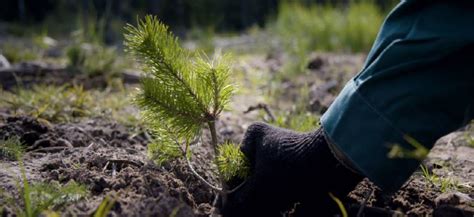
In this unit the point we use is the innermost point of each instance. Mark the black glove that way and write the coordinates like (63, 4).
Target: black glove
(288, 168)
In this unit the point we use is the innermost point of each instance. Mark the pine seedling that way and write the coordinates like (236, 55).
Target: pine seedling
(181, 92)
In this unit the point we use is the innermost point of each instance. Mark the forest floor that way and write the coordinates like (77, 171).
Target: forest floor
(108, 154)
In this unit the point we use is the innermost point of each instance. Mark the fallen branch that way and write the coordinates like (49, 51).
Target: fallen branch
(264, 107)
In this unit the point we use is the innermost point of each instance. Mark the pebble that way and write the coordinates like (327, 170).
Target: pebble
(453, 198)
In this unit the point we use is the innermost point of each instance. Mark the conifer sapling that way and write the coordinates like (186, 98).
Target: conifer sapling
(181, 93)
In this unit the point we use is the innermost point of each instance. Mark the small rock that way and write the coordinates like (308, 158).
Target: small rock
(315, 63)
(453, 211)
(4, 64)
(48, 41)
(452, 198)
(131, 77)
(226, 131)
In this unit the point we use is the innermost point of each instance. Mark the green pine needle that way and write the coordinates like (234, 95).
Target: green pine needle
(231, 162)
(164, 147)
(180, 91)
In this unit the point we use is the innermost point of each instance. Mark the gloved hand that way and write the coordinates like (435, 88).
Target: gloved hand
(287, 168)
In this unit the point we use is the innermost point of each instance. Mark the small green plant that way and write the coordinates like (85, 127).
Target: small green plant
(42, 198)
(297, 117)
(340, 205)
(231, 162)
(49, 102)
(444, 184)
(419, 152)
(16, 53)
(93, 59)
(67, 103)
(11, 148)
(470, 140)
(303, 122)
(181, 92)
(105, 206)
(428, 175)
(469, 134)
(447, 184)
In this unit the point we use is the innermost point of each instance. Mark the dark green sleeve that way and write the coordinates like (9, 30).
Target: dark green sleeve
(418, 80)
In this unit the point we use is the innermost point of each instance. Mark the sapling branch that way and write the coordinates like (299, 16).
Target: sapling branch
(202, 179)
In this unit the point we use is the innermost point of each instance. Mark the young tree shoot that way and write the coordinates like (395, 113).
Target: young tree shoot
(181, 93)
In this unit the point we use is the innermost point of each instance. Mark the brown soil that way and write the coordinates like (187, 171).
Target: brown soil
(110, 161)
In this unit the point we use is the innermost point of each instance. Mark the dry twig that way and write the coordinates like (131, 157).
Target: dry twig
(264, 107)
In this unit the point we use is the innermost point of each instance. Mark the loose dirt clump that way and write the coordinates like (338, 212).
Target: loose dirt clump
(109, 161)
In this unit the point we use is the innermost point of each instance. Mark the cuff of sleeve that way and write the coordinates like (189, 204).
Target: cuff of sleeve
(365, 137)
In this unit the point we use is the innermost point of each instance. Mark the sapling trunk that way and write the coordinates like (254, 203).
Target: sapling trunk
(213, 130)
(214, 143)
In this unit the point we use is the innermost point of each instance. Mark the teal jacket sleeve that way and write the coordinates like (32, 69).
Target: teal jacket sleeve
(418, 81)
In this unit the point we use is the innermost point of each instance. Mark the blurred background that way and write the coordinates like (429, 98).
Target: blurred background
(54, 28)
(108, 16)
(293, 55)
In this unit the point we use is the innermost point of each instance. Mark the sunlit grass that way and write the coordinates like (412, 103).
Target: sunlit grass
(11, 148)
(42, 198)
(444, 184)
(15, 53)
(93, 59)
(67, 103)
(48, 102)
(303, 29)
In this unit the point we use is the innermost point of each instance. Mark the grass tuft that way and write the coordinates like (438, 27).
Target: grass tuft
(42, 198)
(67, 103)
(301, 121)
(93, 59)
(105, 206)
(11, 148)
(49, 102)
(16, 53)
(418, 152)
(340, 205)
(444, 184)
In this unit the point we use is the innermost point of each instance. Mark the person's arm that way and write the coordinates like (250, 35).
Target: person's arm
(418, 81)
